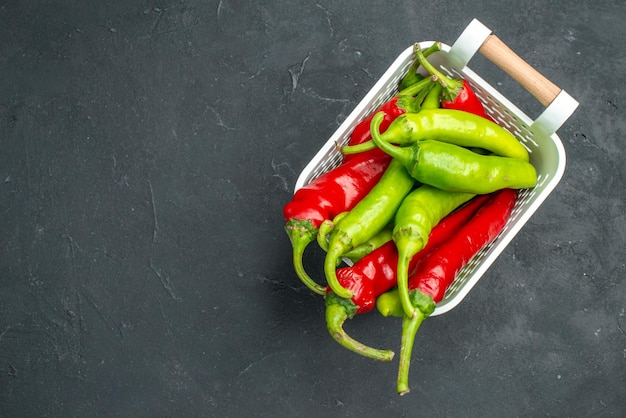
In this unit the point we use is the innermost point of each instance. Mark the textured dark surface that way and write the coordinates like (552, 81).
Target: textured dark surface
(147, 149)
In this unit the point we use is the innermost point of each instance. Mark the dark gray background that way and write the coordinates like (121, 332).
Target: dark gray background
(147, 149)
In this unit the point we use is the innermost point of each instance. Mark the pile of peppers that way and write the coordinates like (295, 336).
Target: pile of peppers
(427, 180)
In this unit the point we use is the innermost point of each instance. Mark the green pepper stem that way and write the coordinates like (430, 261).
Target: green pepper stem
(409, 242)
(416, 88)
(403, 284)
(323, 232)
(411, 75)
(358, 148)
(338, 310)
(413, 104)
(334, 253)
(407, 102)
(451, 85)
(301, 235)
(402, 154)
(409, 330)
(435, 47)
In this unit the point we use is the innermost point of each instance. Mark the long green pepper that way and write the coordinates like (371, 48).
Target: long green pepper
(372, 214)
(419, 212)
(455, 168)
(451, 126)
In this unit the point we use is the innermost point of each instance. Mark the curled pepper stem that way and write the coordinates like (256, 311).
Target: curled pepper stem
(298, 252)
(398, 153)
(326, 228)
(405, 100)
(301, 235)
(334, 253)
(323, 232)
(338, 310)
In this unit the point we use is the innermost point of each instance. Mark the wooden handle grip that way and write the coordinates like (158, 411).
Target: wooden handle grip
(501, 55)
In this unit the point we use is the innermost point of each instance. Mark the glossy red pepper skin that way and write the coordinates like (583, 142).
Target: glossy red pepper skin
(336, 191)
(370, 277)
(330, 194)
(465, 99)
(436, 272)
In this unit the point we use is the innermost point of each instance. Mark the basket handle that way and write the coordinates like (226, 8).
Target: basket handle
(478, 38)
(532, 80)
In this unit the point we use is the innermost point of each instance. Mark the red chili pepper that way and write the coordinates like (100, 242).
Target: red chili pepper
(457, 92)
(375, 274)
(330, 194)
(437, 270)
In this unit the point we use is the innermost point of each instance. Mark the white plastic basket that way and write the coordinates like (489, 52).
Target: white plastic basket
(538, 136)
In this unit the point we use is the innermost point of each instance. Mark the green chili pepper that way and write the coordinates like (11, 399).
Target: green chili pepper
(456, 169)
(433, 98)
(388, 304)
(366, 219)
(452, 126)
(419, 212)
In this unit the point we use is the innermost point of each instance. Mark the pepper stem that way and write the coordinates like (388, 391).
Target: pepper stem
(323, 232)
(416, 88)
(335, 252)
(409, 330)
(413, 104)
(403, 285)
(425, 305)
(402, 154)
(301, 234)
(451, 86)
(412, 76)
(358, 148)
(326, 228)
(338, 310)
